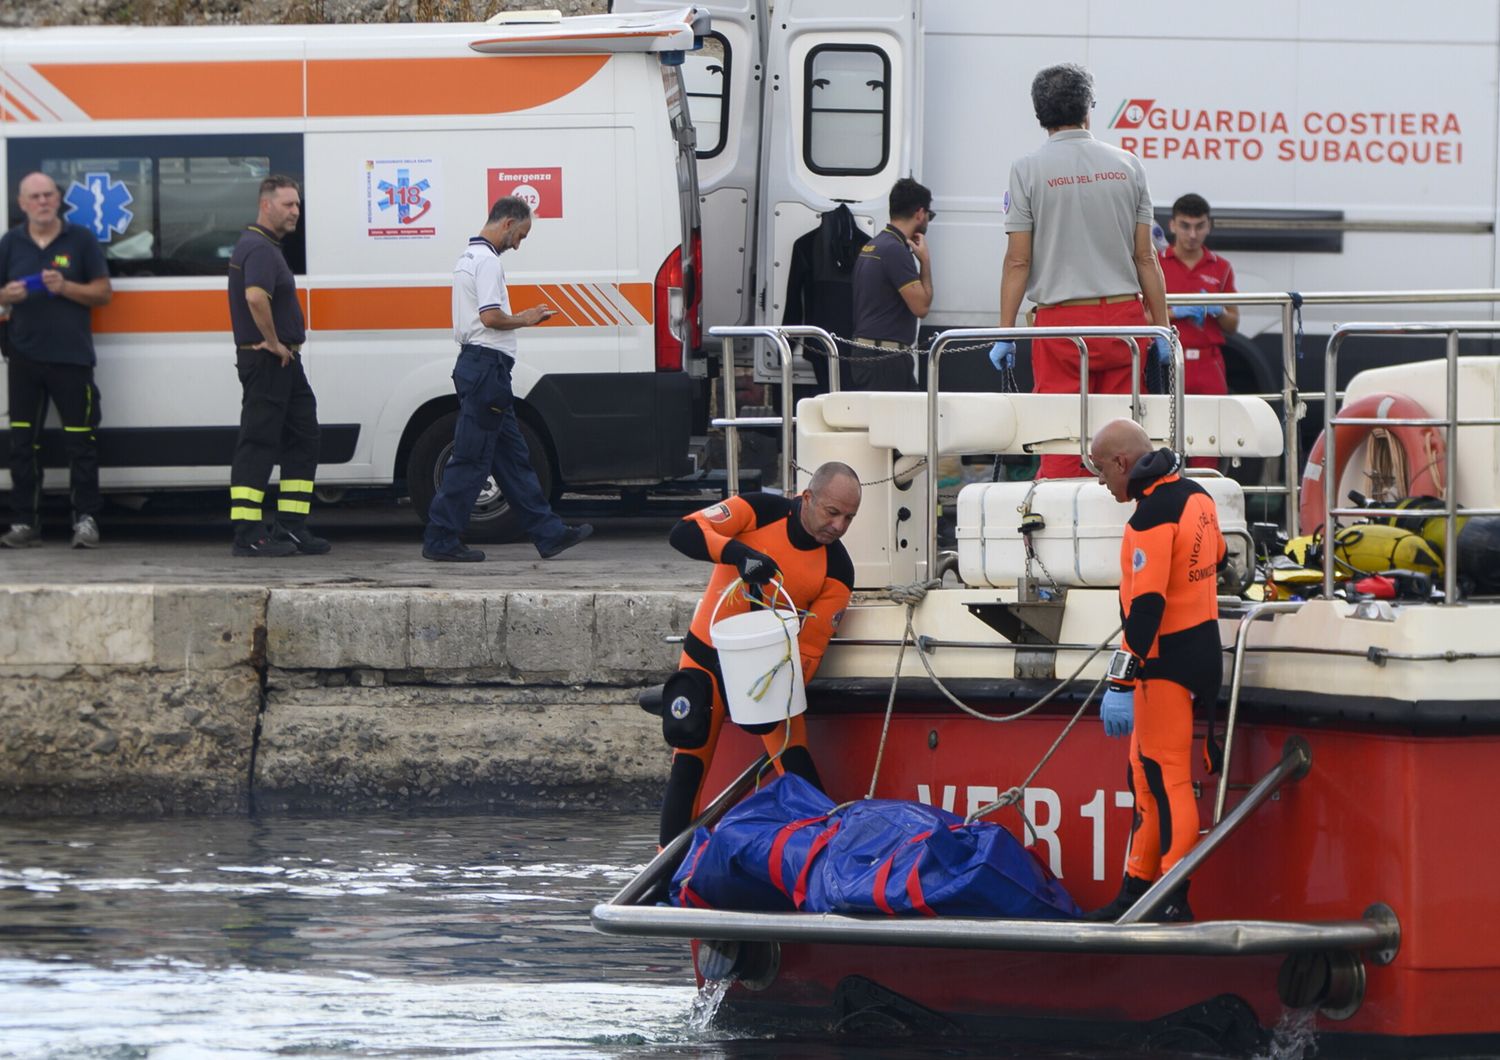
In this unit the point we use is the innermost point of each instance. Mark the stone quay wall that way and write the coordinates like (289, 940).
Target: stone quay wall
(166, 700)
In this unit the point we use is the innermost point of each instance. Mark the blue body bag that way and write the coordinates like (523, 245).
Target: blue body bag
(896, 858)
(780, 850)
(759, 853)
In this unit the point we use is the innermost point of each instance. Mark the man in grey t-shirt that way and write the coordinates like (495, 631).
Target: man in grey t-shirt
(1078, 245)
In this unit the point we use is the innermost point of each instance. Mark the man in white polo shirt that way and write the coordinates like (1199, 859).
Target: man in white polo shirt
(487, 440)
(1078, 245)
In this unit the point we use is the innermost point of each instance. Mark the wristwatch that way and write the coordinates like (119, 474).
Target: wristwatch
(1124, 667)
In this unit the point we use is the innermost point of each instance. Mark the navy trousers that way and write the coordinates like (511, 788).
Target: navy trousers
(487, 441)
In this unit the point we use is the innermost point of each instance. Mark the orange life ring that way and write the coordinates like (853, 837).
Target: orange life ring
(1425, 449)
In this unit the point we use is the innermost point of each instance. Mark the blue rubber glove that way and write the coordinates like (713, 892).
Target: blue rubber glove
(1117, 711)
(1161, 349)
(1214, 310)
(1195, 313)
(1003, 355)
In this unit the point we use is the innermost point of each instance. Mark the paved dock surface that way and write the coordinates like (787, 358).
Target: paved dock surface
(375, 546)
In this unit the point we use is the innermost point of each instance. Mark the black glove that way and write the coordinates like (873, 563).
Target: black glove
(756, 568)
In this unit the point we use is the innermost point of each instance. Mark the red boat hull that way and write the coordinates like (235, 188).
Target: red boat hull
(1382, 817)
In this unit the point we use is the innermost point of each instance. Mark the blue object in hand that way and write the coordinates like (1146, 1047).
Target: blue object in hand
(1003, 355)
(34, 284)
(1161, 349)
(1117, 711)
(1213, 310)
(1195, 313)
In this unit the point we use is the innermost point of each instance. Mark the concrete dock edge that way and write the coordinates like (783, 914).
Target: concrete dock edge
(198, 700)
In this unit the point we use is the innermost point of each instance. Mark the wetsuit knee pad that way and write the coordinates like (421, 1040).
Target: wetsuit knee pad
(687, 708)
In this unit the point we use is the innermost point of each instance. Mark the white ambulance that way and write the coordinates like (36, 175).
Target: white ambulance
(1345, 145)
(402, 136)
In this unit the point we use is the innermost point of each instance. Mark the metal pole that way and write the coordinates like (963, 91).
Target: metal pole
(671, 854)
(731, 432)
(1289, 418)
(788, 483)
(1237, 672)
(934, 357)
(1330, 461)
(1296, 760)
(1450, 485)
(1084, 433)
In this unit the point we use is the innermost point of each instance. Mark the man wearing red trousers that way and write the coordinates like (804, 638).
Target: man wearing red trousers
(1078, 245)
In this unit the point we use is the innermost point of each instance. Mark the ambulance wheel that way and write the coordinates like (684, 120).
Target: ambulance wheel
(492, 519)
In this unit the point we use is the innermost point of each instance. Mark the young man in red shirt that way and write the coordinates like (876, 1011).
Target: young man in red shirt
(1189, 267)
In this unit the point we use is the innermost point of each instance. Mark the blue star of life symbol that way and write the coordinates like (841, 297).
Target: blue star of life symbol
(403, 195)
(101, 204)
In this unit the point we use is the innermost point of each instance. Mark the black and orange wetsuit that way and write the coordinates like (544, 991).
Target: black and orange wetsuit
(1169, 564)
(818, 578)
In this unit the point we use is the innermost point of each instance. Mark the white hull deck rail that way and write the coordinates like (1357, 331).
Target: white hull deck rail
(1377, 935)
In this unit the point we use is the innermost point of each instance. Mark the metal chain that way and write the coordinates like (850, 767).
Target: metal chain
(1169, 373)
(1031, 552)
(921, 463)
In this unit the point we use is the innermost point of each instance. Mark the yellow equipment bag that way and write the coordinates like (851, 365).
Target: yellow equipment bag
(1371, 548)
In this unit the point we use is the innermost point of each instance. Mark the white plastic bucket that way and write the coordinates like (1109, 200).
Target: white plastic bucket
(761, 661)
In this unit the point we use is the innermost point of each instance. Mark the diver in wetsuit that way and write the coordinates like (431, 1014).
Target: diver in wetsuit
(1170, 654)
(755, 537)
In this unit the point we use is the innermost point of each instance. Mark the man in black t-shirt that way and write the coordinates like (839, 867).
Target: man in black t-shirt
(278, 414)
(51, 275)
(892, 291)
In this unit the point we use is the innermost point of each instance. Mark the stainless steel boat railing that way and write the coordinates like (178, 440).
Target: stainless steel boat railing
(1076, 335)
(1450, 330)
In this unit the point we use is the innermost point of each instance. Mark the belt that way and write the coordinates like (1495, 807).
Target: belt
(1109, 299)
(474, 347)
(886, 344)
(294, 349)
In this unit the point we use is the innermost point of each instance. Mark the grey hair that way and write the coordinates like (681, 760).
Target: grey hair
(1062, 95)
(826, 473)
(509, 208)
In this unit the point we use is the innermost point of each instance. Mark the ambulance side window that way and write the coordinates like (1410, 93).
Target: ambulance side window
(163, 205)
(705, 74)
(846, 120)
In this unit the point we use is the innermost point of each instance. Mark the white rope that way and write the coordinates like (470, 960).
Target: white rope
(912, 594)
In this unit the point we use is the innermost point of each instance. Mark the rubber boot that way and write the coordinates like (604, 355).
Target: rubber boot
(1131, 888)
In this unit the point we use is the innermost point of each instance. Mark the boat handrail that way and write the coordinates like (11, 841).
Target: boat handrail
(1292, 398)
(1294, 764)
(1236, 676)
(1450, 421)
(731, 424)
(1077, 335)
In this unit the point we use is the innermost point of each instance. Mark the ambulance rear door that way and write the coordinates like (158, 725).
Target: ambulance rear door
(842, 124)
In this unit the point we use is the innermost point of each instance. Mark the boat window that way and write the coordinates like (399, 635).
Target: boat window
(162, 205)
(846, 93)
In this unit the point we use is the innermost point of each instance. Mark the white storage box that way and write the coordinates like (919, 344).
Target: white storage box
(1080, 542)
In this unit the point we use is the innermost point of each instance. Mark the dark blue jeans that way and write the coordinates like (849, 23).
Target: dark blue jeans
(487, 441)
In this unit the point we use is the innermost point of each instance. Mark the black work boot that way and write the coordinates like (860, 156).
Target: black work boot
(1130, 889)
(306, 542)
(254, 541)
(1175, 910)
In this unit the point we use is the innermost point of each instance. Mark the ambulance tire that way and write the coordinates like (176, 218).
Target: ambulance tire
(492, 520)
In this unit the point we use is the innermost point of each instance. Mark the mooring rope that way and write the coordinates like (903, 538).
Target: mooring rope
(910, 595)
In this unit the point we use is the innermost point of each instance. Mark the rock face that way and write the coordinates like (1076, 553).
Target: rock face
(262, 12)
(171, 700)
